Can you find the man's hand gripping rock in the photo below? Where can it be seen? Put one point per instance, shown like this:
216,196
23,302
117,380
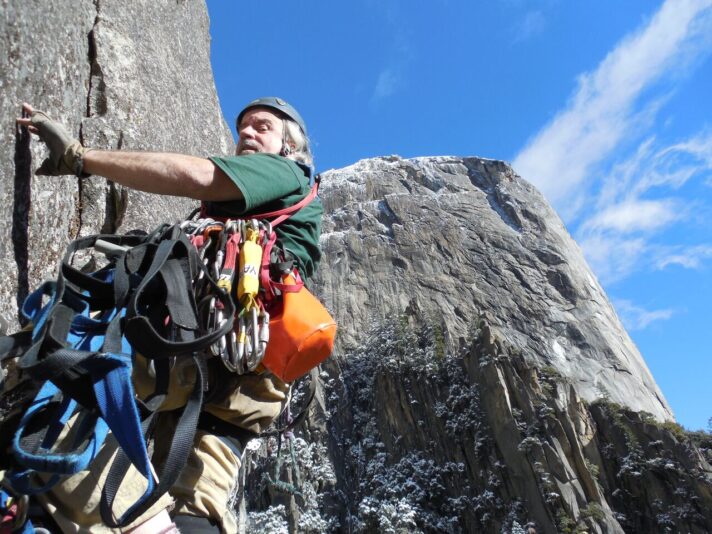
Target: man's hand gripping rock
65,152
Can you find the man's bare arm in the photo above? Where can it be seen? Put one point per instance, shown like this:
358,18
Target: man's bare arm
154,172
163,173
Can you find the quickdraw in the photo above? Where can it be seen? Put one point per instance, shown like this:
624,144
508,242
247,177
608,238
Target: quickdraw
233,249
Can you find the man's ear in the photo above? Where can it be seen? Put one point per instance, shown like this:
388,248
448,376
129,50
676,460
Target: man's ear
287,149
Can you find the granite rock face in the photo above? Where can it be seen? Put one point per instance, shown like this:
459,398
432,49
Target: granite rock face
449,239
482,380
119,75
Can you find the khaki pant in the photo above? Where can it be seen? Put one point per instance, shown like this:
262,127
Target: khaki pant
208,482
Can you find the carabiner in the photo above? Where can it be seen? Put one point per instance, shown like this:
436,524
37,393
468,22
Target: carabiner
229,359
267,227
259,338
264,334
23,506
241,339
220,346
212,226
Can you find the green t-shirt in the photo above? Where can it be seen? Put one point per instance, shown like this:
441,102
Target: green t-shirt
268,183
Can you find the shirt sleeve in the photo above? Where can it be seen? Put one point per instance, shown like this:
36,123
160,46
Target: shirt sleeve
261,178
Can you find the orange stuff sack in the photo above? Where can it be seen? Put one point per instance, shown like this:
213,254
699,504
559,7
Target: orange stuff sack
301,334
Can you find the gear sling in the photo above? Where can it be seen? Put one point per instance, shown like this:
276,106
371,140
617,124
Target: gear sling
162,296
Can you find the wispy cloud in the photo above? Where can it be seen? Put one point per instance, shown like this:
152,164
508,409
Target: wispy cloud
396,52
533,23
614,256
386,84
621,234
636,216
688,257
698,148
637,318
673,166
606,107
610,178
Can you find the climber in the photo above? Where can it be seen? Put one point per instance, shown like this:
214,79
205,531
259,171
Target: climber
271,170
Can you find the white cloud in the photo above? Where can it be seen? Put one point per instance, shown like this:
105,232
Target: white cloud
386,84
698,147
637,318
602,112
623,232
654,167
395,52
689,257
611,256
636,215
618,182
614,256
531,25
675,165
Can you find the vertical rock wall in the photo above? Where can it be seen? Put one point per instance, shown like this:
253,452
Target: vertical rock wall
131,75
445,239
482,381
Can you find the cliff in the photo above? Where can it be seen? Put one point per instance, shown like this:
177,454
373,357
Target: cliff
482,381
119,75
451,239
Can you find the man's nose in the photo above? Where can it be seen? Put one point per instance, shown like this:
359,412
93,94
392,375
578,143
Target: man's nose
247,131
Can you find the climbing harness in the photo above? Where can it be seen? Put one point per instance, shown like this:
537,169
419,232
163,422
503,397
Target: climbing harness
177,297
86,330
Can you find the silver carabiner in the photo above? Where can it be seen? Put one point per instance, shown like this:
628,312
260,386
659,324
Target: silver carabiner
232,226
242,226
201,254
267,227
264,335
190,227
252,341
229,359
217,265
220,346
202,224
240,345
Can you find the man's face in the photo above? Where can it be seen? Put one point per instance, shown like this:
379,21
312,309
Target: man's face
260,130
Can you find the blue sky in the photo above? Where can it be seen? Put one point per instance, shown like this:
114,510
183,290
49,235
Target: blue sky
605,106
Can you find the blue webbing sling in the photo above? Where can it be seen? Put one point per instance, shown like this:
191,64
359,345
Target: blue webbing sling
86,330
